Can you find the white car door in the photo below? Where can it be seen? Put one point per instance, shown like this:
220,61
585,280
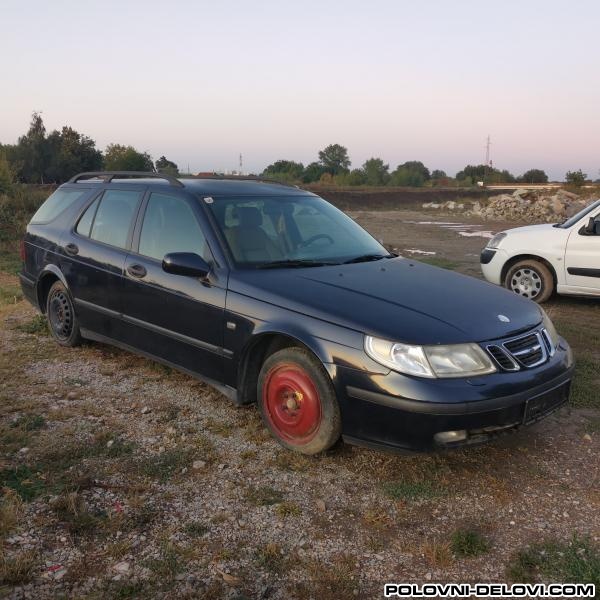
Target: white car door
582,257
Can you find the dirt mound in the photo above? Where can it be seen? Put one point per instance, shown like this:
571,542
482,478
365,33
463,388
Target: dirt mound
531,206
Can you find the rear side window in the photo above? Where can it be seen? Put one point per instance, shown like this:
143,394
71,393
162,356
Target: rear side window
55,204
113,218
85,223
170,225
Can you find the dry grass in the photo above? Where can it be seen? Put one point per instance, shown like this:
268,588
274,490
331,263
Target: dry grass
17,569
11,512
437,554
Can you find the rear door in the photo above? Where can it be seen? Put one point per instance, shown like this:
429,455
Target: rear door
174,317
95,251
582,258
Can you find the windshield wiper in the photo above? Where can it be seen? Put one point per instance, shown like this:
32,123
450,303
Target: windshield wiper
367,258
294,263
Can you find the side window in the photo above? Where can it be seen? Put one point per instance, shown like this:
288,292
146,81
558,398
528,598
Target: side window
170,225
113,217
85,223
55,204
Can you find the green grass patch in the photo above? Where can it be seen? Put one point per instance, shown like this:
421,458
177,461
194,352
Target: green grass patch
196,529
577,561
30,422
169,564
585,390
10,294
412,490
263,496
36,326
53,471
10,261
438,261
24,480
468,542
165,465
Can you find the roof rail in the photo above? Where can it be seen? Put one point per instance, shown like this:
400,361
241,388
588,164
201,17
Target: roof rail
108,176
241,178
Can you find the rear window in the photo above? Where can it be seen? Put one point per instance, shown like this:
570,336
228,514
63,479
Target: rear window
56,203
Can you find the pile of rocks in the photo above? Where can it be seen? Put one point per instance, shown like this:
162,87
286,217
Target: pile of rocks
522,205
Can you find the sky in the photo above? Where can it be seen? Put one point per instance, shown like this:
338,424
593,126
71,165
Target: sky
201,82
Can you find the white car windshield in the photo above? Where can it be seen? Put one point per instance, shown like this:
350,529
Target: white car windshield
575,218
291,231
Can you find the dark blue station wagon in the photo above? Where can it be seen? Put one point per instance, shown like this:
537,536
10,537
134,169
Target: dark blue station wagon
272,295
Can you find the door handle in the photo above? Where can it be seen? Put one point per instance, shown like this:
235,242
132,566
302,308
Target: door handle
71,249
136,271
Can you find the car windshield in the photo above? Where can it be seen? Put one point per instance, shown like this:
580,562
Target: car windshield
575,218
291,231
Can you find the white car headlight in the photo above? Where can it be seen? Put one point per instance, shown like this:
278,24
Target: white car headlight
456,360
549,327
495,241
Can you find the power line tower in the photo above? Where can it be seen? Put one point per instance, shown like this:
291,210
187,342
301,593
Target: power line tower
241,165
487,159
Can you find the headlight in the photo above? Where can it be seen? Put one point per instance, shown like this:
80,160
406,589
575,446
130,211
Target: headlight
495,241
549,327
457,360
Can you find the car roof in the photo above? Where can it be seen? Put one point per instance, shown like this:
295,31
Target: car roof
206,186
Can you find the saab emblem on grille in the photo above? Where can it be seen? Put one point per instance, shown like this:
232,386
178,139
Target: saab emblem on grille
503,318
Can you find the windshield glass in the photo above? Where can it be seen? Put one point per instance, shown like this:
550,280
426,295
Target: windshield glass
570,222
290,231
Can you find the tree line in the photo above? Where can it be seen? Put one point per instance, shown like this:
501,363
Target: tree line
39,157
333,167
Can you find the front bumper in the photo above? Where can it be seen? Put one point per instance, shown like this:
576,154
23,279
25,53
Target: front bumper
492,261
404,413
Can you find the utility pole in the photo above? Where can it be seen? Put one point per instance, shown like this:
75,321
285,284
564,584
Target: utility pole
487,159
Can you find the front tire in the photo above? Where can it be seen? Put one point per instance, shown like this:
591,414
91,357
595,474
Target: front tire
297,401
62,320
531,279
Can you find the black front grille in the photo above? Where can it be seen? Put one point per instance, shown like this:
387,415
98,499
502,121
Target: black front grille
521,343
502,358
527,351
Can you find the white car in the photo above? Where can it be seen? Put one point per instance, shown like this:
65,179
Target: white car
538,260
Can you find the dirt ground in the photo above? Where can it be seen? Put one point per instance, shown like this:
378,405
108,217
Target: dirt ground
123,479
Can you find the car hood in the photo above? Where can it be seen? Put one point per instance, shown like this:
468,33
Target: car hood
529,230
397,299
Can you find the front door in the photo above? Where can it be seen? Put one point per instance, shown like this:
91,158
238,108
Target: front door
582,259
173,317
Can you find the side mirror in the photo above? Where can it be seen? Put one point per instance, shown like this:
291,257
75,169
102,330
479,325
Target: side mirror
185,263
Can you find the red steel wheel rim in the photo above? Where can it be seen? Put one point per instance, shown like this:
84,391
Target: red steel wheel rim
291,403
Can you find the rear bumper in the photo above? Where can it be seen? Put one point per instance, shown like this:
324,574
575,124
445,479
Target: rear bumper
28,287
484,407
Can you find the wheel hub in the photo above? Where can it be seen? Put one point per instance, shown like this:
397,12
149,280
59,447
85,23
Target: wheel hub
60,315
291,403
526,282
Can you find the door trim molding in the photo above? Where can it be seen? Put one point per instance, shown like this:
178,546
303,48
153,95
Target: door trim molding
180,337
583,272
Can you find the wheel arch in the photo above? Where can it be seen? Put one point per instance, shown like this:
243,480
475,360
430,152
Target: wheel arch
513,260
264,343
48,276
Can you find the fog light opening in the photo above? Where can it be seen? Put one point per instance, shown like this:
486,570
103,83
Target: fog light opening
450,437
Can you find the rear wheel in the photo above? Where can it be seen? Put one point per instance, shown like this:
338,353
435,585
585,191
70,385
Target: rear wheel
62,319
531,279
297,401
